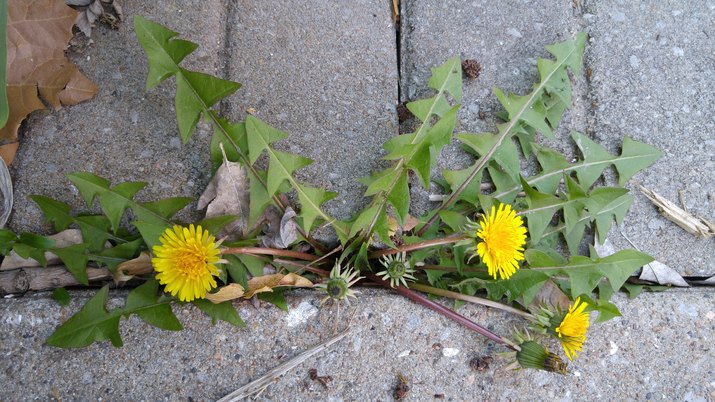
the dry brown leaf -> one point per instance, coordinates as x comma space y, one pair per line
691, 223
7, 194
37, 34
281, 234
229, 292
62, 239
129, 269
227, 194
551, 295
266, 283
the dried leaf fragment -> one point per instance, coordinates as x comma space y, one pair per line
659, 273
266, 283
691, 223
137, 266
283, 234
229, 292
228, 194
37, 34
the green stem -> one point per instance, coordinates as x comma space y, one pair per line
417, 246
471, 299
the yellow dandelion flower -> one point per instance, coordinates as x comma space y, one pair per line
504, 235
573, 327
186, 262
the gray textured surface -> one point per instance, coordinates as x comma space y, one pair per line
326, 73
123, 133
653, 80
660, 349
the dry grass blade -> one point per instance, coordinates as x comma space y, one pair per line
257, 386
691, 223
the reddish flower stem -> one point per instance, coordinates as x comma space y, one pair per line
270, 251
451, 314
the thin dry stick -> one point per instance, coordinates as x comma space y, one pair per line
270, 251
260, 384
19, 281
471, 299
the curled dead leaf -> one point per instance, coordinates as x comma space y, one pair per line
135, 267
266, 283
281, 234
227, 194
37, 34
229, 292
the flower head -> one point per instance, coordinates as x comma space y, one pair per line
533, 355
397, 269
186, 262
503, 237
337, 287
572, 330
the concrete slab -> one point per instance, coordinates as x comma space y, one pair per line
659, 335
325, 72
124, 133
652, 80
505, 38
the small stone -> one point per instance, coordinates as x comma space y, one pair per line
634, 61
618, 16
514, 32
678, 51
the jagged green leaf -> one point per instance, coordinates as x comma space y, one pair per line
75, 258
237, 134
61, 296
196, 93
276, 298
505, 154
29, 245
113, 256
163, 51
145, 302
92, 323
455, 178
165, 208
216, 223
542, 208
150, 232
635, 156
221, 311
550, 161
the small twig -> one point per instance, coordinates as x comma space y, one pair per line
270, 251
19, 281
306, 267
260, 384
416, 246
471, 299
